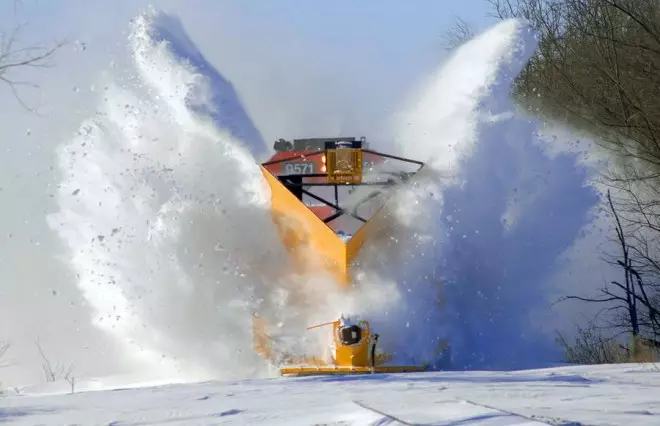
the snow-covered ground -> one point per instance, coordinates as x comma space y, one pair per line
586, 395
167, 227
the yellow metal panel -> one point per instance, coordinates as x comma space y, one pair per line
327, 370
382, 223
373, 230
314, 245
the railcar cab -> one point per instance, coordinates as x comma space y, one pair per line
307, 156
313, 168
321, 171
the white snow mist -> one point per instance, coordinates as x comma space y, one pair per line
167, 217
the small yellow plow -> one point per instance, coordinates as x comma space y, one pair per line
353, 352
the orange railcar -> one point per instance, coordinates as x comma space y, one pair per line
304, 220
307, 157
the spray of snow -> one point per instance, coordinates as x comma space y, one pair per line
167, 219
488, 217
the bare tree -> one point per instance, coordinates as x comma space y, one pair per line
632, 303
58, 371
16, 58
597, 69
458, 34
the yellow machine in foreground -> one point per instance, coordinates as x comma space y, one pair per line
354, 351
314, 244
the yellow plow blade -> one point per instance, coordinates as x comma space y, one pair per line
316, 249
331, 369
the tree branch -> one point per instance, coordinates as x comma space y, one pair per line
14, 58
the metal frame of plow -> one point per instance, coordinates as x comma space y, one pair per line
297, 185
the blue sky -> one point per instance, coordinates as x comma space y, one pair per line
415, 17
342, 53
407, 29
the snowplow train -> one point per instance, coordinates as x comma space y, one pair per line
318, 222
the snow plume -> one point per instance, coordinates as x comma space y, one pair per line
168, 224
488, 217
167, 216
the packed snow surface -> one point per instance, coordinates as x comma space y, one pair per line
594, 395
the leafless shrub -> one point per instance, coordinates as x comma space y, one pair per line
4, 347
58, 371
591, 347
